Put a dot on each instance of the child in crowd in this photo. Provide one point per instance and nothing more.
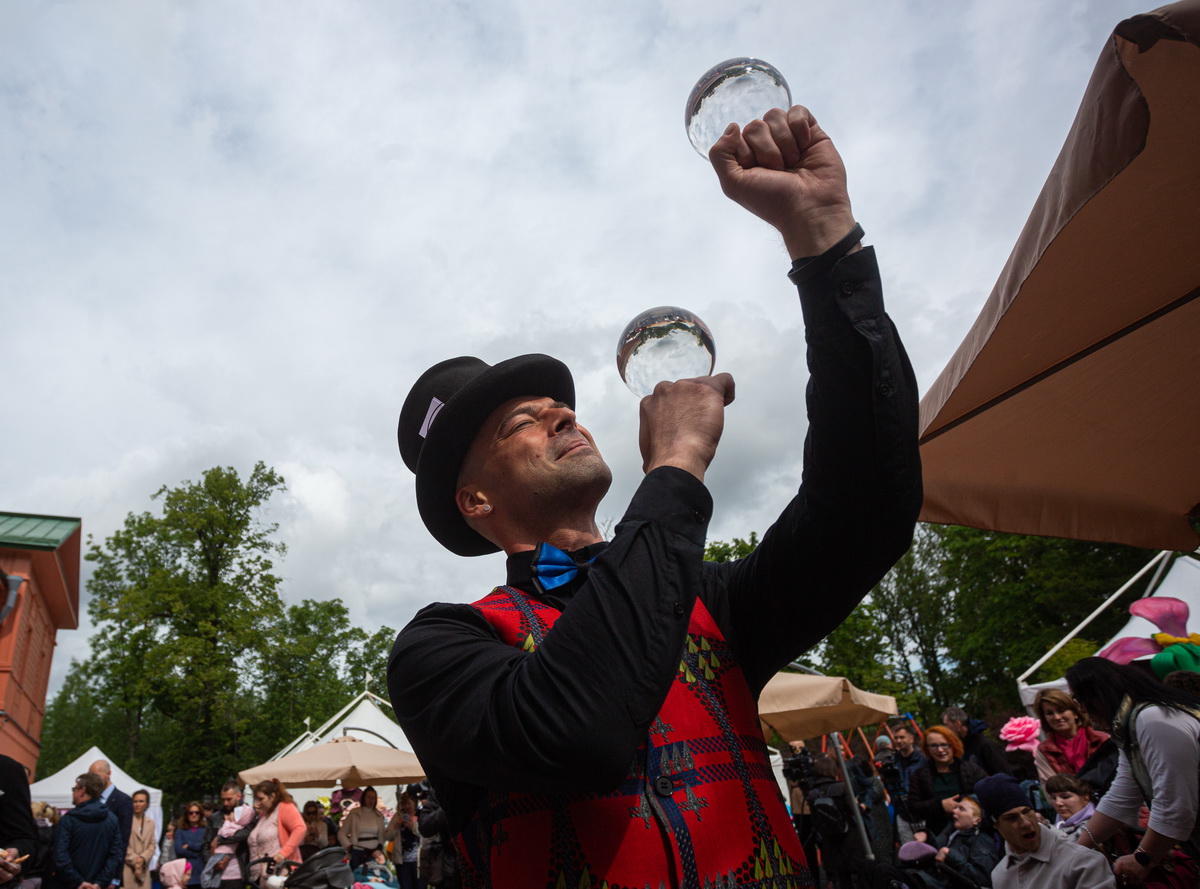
(235, 821)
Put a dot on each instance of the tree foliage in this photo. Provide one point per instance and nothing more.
(964, 612)
(197, 667)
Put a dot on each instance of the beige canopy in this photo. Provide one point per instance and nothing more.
(800, 706)
(353, 762)
(1070, 410)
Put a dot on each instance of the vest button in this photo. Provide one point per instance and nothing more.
(664, 786)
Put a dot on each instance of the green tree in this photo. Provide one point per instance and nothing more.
(1014, 597)
(315, 660)
(196, 669)
(965, 611)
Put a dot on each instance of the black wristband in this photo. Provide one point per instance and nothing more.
(807, 267)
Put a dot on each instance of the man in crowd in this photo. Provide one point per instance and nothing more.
(117, 801)
(907, 760)
(18, 833)
(231, 798)
(88, 847)
(594, 719)
(977, 747)
(1036, 856)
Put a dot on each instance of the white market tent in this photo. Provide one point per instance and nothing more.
(366, 718)
(1175, 575)
(56, 789)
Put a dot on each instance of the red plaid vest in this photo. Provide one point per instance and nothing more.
(698, 809)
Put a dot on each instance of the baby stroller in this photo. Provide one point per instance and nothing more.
(326, 869)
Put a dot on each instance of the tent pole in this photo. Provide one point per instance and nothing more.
(1161, 557)
(849, 785)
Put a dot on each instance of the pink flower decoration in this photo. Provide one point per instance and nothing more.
(1022, 733)
(1168, 614)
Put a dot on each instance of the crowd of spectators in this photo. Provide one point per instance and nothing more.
(232, 845)
(1087, 808)
(937, 807)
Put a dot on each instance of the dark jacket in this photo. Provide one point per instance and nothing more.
(973, 853)
(983, 751)
(121, 804)
(189, 844)
(17, 830)
(907, 765)
(87, 847)
(439, 860)
(921, 802)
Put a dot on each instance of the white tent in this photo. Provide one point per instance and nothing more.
(367, 718)
(56, 789)
(1175, 575)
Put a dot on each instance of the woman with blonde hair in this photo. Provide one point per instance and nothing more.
(1071, 746)
(280, 829)
(143, 841)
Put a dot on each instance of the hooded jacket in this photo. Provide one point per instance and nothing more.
(87, 847)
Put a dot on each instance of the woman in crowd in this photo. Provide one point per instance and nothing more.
(406, 842)
(1071, 743)
(938, 783)
(189, 840)
(362, 828)
(316, 831)
(280, 829)
(143, 840)
(1072, 801)
(1157, 729)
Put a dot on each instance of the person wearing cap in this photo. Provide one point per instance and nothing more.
(594, 719)
(1036, 856)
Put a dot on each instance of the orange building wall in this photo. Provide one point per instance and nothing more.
(27, 640)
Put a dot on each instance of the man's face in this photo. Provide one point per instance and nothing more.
(78, 795)
(1020, 829)
(229, 800)
(530, 452)
(904, 740)
(958, 726)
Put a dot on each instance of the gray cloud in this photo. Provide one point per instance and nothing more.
(240, 231)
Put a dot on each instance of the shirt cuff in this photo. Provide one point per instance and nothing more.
(852, 290)
(675, 499)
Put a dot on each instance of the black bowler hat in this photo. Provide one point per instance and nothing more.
(440, 418)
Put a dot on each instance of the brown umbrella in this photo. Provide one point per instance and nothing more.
(1070, 410)
(353, 762)
(800, 706)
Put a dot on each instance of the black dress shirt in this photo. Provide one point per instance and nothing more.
(570, 716)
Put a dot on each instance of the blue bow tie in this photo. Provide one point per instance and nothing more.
(552, 567)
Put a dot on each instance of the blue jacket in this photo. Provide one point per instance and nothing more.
(87, 847)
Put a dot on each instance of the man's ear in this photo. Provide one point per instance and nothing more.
(472, 504)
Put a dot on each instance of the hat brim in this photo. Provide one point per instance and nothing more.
(457, 424)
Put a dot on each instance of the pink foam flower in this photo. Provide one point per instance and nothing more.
(1021, 732)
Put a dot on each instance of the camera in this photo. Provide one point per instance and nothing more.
(889, 771)
(798, 768)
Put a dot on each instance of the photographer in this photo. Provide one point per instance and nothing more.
(796, 768)
(829, 814)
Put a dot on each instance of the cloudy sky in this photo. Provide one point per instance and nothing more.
(239, 231)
